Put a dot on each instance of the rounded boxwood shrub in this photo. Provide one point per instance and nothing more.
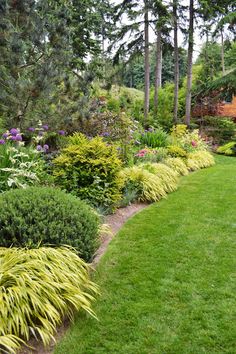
(36, 216)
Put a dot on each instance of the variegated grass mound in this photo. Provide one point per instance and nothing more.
(148, 186)
(38, 288)
(199, 159)
(167, 175)
(177, 164)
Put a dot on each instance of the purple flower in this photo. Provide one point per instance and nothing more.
(150, 130)
(39, 148)
(31, 129)
(105, 134)
(45, 127)
(2, 141)
(46, 147)
(40, 133)
(14, 131)
(61, 132)
(5, 135)
(18, 137)
(13, 138)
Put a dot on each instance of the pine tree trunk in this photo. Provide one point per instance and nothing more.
(190, 65)
(176, 58)
(222, 52)
(147, 67)
(158, 70)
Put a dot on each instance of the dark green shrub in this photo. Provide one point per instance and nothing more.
(89, 169)
(221, 129)
(113, 105)
(35, 216)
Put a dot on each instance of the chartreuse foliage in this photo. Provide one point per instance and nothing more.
(38, 287)
(166, 174)
(168, 278)
(177, 164)
(148, 186)
(228, 149)
(89, 168)
(199, 159)
(176, 151)
(36, 216)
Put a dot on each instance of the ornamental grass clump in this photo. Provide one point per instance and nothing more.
(167, 175)
(149, 188)
(228, 149)
(89, 168)
(177, 164)
(199, 159)
(154, 138)
(37, 216)
(38, 288)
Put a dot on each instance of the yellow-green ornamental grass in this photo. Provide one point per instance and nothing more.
(199, 159)
(154, 180)
(38, 288)
(150, 187)
(166, 174)
(178, 165)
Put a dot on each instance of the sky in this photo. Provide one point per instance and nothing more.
(197, 40)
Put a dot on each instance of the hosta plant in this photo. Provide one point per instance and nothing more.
(148, 186)
(199, 159)
(177, 164)
(166, 174)
(38, 288)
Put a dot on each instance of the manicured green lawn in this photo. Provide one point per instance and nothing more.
(168, 281)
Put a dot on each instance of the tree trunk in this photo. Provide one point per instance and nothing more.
(176, 58)
(147, 68)
(158, 69)
(222, 51)
(190, 65)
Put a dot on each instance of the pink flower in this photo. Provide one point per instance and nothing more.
(194, 143)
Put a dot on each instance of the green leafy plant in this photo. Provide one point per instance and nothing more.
(33, 216)
(38, 288)
(21, 167)
(166, 174)
(227, 149)
(154, 138)
(199, 159)
(189, 141)
(221, 129)
(89, 168)
(178, 131)
(148, 186)
(176, 151)
(177, 164)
